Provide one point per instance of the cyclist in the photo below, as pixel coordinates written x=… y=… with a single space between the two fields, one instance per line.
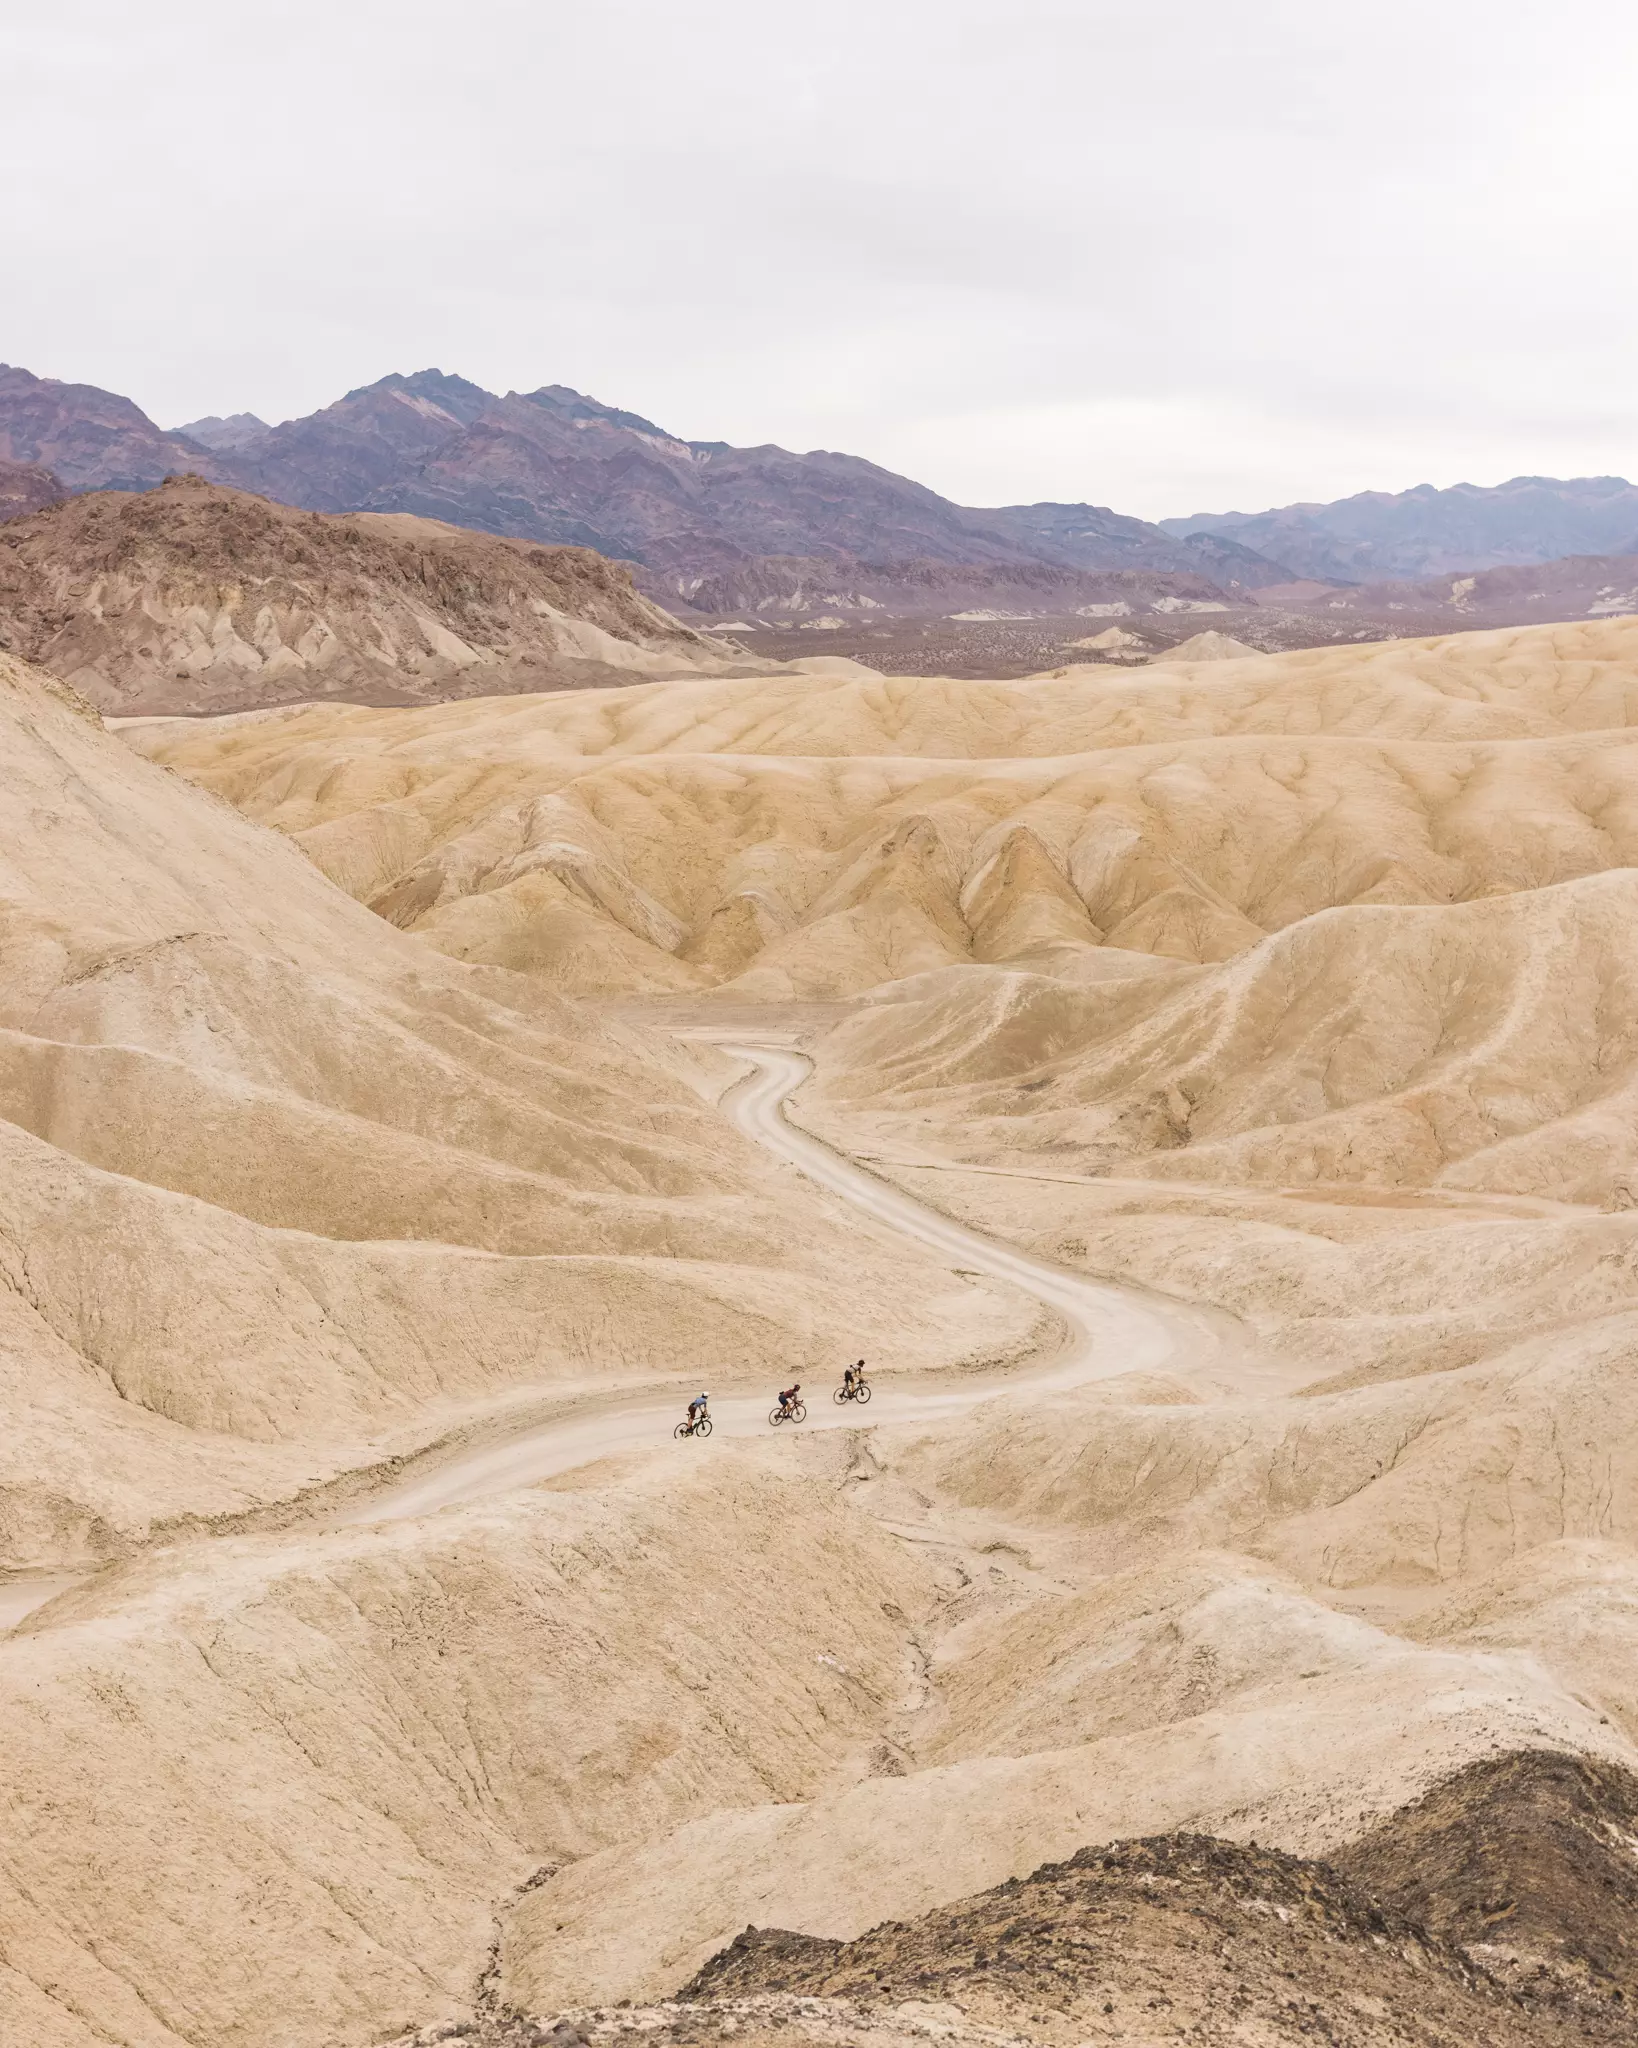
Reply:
x=787 y=1397
x=853 y=1378
x=696 y=1410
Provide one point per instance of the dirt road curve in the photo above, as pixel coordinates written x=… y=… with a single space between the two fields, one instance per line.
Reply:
x=1107 y=1331
x=1112 y=1329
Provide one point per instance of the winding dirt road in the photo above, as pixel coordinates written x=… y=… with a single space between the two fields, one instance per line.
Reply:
x=1108 y=1330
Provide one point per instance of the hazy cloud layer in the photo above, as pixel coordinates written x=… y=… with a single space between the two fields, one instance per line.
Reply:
x=1174 y=257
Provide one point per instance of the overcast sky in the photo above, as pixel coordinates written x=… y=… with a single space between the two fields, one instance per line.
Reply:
x=1169 y=255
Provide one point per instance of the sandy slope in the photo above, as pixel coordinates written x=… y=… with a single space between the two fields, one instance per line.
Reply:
x=320 y=1762
x=1488 y=1045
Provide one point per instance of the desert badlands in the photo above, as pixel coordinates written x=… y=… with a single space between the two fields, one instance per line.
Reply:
x=1207 y=1095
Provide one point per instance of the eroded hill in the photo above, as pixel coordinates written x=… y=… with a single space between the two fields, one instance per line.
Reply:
x=195 y=598
x=1496 y=1909
x=811 y=838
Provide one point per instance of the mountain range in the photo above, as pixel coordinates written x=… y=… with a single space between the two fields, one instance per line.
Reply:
x=700 y=519
x=1427 y=532
x=711 y=527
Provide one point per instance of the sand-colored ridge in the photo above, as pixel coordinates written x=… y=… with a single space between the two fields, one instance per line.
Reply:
x=707 y=832
x=1486 y=1045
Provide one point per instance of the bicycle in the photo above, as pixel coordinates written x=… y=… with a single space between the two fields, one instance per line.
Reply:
x=700 y=1428
x=796 y=1412
x=859 y=1391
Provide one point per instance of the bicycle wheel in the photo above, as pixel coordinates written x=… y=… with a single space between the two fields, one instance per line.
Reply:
x=776 y=1416
x=841 y=1394
x=800 y=1412
x=682 y=1429
x=705 y=1425
x=862 y=1391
